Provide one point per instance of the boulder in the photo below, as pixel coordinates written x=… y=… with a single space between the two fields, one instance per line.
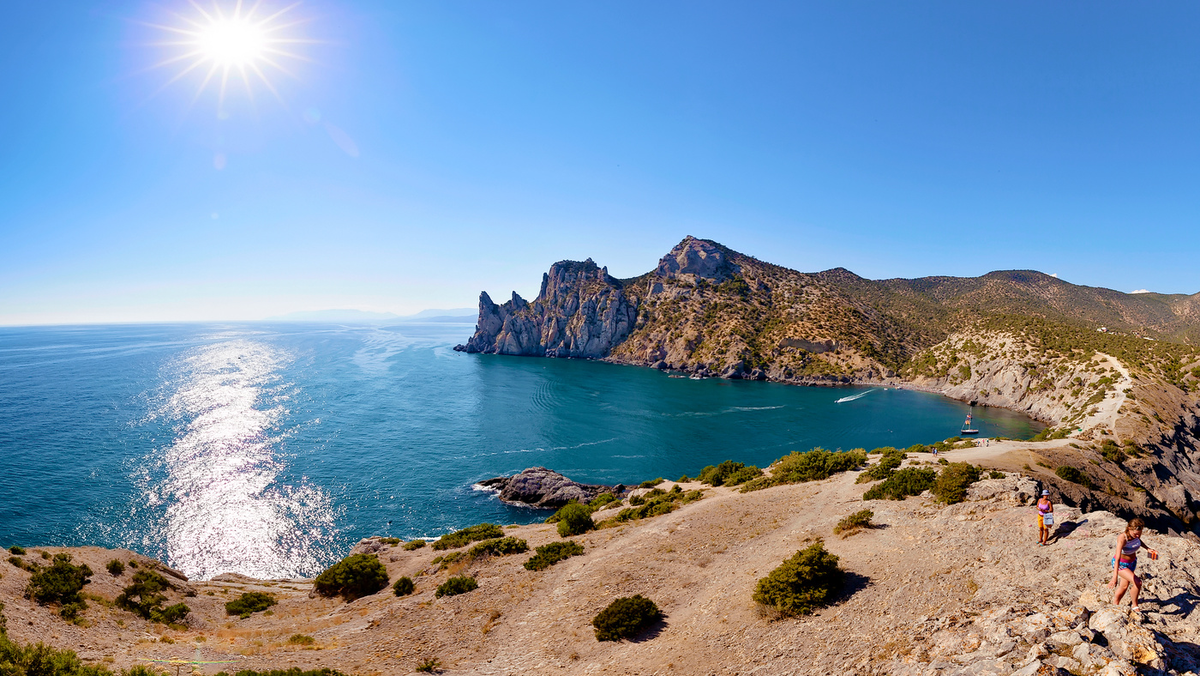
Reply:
x=545 y=488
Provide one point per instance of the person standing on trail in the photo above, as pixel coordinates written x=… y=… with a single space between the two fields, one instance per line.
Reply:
x=1045 y=518
x=1124 y=562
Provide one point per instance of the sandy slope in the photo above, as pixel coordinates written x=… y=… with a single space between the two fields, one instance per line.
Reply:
x=913 y=602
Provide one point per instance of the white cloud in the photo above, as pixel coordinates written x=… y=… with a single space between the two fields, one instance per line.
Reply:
x=1142 y=291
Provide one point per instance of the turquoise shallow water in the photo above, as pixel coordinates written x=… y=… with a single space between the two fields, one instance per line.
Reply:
x=270 y=449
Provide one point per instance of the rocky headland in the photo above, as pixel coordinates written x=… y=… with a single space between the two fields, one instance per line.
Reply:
x=1103 y=368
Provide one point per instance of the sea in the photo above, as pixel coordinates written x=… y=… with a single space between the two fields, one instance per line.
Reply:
x=271 y=449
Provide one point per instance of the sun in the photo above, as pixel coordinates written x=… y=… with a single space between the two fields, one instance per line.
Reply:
x=230 y=45
x=232 y=42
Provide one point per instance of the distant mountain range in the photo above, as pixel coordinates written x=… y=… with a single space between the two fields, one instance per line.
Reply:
x=463 y=315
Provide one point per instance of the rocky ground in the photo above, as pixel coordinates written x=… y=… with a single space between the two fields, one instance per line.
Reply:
x=963 y=589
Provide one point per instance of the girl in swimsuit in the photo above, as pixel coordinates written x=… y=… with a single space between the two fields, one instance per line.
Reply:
x=1124 y=562
x=1044 y=507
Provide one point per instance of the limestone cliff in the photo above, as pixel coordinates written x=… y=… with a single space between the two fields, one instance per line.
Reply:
x=581 y=312
x=1113 y=372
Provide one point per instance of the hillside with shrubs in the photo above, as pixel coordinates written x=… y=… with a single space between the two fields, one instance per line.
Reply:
x=882 y=561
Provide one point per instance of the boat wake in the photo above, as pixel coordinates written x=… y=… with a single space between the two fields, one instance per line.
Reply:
x=852 y=398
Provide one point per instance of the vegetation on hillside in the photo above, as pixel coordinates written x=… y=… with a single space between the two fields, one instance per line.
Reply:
x=353 y=577
x=466 y=536
x=808 y=580
x=146 y=595
x=625 y=618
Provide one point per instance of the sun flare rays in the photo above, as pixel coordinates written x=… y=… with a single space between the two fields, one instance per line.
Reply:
x=220 y=44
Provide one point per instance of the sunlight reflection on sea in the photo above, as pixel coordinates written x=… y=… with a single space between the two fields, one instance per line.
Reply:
x=224 y=509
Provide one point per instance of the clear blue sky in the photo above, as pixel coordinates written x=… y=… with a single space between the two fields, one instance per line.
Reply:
x=425 y=151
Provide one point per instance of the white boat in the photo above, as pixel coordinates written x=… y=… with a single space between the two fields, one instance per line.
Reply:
x=966 y=428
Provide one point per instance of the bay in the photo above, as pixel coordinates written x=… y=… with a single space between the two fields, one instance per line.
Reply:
x=270 y=449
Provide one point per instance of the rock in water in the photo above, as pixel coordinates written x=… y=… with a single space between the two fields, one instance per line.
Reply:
x=541 y=487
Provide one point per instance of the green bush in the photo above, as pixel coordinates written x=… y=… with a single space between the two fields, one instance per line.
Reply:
x=390 y=541
x=22 y=564
x=500 y=547
x=728 y=473
x=16 y=549
x=803 y=583
x=656 y=503
x=854 y=523
x=145 y=597
x=301 y=639
x=172 y=614
x=1112 y=452
x=414 y=545
x=353 y=577
x=651 y=483
x=403 y=587
x=951 y=485
x=455 y=586
x=557 y=515
x=915 y=448
x=902 y=483
x=115 y=567
x=44 y=660
x=813 y=465
x=249 y=603
x=995 y=474
x=1074 y=476
x=601 y=500
x=464 y=537
x=449 y=559
x=625 y=618
x=882 y=469
x=574 y=519
x=1051 y=433
x=428 y=665
x=747 y=473
x=548 y=555
x=60 y=583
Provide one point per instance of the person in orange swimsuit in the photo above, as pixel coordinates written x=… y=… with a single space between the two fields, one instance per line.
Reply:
x=1045 y=518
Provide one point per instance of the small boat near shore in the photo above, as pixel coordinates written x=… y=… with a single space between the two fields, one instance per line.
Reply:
x=967 y=428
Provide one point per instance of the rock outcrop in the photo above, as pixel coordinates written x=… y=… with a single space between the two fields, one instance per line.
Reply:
x=581 y=312
x=545 y=488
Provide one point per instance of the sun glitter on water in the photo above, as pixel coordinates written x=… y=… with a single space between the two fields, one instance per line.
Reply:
x=231 y=48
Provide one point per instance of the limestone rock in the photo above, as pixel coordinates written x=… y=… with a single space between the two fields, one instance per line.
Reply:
x=1012 y=490
x=581 y=312
x=541 y=487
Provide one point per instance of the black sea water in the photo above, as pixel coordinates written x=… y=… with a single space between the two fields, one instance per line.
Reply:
x=269 y=449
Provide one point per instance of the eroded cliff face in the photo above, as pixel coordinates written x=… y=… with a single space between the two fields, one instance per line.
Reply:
x=581 y=312
x=1132 y=417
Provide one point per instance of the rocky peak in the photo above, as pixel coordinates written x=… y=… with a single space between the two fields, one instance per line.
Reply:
x=694 y=259
x=567 y=275
x=580 y=312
